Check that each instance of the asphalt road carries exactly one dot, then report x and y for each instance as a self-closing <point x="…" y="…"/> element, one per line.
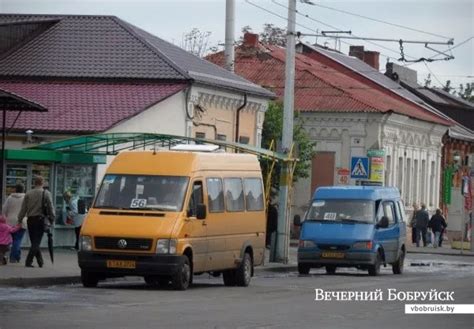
<point x="274" y="300"/>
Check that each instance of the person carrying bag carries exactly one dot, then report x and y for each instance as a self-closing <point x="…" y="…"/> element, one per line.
<point x="38" y="207"/>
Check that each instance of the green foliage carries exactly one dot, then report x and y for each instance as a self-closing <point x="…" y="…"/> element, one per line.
<point x="304" y="147"/>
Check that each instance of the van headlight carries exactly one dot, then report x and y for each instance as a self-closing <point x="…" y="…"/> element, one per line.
<point x="86" y="243"/>
<point x="306" y="244"/>
<point x="364" y="245"/>
<point x="166" y="246"/>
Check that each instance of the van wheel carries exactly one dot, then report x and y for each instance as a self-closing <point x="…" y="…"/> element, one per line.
<point x="229" y="278"/>
<point x="331" y="269"/>
<point x="374" y="269"/>
<point x="397" y="267"/>
<point x="243" y="274"/>
<point x="89" y="280"/>
<point x="303" y="268"/>
<point x="182" y="279"/>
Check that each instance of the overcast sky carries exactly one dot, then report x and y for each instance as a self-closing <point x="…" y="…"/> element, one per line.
<point x="170" y="19"/>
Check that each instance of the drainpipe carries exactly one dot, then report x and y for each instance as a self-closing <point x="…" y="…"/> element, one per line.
<point x="237" y="123"/>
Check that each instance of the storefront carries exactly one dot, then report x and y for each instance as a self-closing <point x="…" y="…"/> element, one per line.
<point x="74" y="172"/>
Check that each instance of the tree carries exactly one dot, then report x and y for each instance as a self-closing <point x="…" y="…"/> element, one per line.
<point x="273" y="35"/>
<point x="466" y="92"/>
<point x="428" y="81"/>
<point x="447" y="87"/>
<point x="272" y="131"/>
<point x="197" y="42"/>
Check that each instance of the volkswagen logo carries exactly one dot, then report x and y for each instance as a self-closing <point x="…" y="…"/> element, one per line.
<point x="122" y="243"/>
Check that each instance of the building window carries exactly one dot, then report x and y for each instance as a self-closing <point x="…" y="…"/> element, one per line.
<point x="432" y="188"/>
<point x="244" y="140"/>
<point x="423" y="182"/>
<point x="221" y="137"/>
<point x="416" y="179"/>
<point x="234" y="194"/>
<point x="215" y="195"/>
<point x="253" y="194"/>
<point x="400" y="176"/>
<point x="407" y="188"/>
<point x="200" y="135"/>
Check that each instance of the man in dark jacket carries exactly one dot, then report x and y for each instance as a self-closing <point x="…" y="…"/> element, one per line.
<point x="37" y="205"/>
<point x="437" y="224"/>
<point x="422" y="219"/>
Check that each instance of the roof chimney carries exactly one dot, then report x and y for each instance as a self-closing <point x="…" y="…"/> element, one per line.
<point x="372" y="58"/>
<point x="250" y="39"/>
<point x="357" y="51"/>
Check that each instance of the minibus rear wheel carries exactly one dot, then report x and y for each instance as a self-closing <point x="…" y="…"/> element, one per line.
<point x="243" y="274"/>
<point x="89" y="280"/>
<point x="183" y="278"/>
<point x="397" y="267"/>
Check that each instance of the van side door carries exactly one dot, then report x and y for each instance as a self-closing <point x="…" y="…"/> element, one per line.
<point x="388" y="237"/>
<point x="195" y="229"/>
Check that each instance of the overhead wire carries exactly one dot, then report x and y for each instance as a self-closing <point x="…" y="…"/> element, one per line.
<point x="345" y="42"/>
<point x="311" y="29"/>
<point x="381" y="21"/>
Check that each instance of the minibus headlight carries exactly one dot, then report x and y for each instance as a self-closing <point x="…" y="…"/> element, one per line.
<point x="306" y="244"/>
<point x="166" y="246"/>
<point x="86" y="243"/>
<point x="366" y="245"/>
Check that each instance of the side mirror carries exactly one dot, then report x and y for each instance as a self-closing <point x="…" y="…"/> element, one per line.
<point x="201" y="211"/>
<point x="383" y="222"/>
<point x="297" y="220"/>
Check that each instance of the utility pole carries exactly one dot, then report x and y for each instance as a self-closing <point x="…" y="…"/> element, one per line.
<point x="229" y="34"/>
<point x="283" y="227"/>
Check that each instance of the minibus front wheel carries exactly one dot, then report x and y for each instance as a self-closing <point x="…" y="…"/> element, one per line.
<point x="183" y="278"/>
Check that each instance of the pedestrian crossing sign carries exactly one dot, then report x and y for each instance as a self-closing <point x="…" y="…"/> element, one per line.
<point x="360" y="167"/>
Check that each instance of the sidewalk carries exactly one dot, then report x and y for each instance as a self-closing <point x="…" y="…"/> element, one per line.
<point x="65" y="269"/>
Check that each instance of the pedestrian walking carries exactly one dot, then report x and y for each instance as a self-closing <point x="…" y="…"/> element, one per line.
<point x="438" y="225"/>
<point x="10" y="210"/>
<point x="413" y="224"/>
<point x="6" y="231"/>
<point x="38" y="207"/>
<point x="422" y="219"/>
<point x="76" y="212"/>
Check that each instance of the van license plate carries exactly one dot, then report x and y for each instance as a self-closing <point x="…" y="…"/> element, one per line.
<point x="331" y="254"/>
<point x="121" y="264"/>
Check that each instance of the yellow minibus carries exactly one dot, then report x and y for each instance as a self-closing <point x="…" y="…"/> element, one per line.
<point x="169" y="215"/>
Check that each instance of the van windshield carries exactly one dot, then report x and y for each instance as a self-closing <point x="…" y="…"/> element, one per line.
<point x="358" y="211"/>
<point x="134" y="192"/>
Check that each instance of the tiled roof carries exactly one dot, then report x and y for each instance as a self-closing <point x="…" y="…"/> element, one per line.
<point x="103" y="47"/>
<point x="83" y="107"/>
<point x="318" y="87"/>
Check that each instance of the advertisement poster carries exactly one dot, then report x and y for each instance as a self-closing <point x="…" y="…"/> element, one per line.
<point x="377" y="173"/>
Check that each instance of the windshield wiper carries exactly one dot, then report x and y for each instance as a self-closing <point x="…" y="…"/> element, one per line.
<point x="349" y="220"/>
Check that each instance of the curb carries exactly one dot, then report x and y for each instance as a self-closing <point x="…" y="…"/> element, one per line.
<point x="39" y="282"/>
<point x="438" y="253"/>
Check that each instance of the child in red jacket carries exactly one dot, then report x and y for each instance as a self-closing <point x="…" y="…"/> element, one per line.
<point x="6" y="231"/>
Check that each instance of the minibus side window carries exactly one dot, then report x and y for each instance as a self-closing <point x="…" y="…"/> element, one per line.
<point x="401" y="209"/>
<point x="388" y="210"/>
<point x="196" y="198"/>
<point x="215" y="195"/>
<point x="234" y="194"/>
<point x="253" y="194"/>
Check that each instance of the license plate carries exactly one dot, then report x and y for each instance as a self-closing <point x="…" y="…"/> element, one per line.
<point x="121" y="264"/>
<point x="331" y="254"/>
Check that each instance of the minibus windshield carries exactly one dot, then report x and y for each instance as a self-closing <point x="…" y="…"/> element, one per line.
<point x="356" y="211"/>
<point x="140" y="192"/>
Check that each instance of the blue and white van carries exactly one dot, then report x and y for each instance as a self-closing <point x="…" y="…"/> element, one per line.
<point x="353" y="226"/>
